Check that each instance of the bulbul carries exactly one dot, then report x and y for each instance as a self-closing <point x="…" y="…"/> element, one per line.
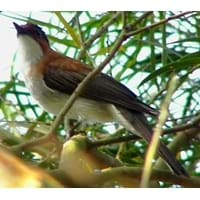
<point x="52" y="77"/>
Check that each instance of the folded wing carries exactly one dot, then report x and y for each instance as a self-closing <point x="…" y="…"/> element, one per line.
<point x="101" y="88"/>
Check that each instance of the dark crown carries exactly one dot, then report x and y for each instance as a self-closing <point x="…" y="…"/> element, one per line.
<point x="31" y="29"/>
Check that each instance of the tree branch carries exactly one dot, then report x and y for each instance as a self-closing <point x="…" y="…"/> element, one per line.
<point x="82" y="43"/>
<point x="181" y="140"/>
<point x="146" y="28"/>
<point x="112" y="140"/>
<point x="157" y="175"/>
<point x="131" y="174"/>
<point x="35" y="142"/>
<point x="194" y="123"/>
<point x="157" y="133"/>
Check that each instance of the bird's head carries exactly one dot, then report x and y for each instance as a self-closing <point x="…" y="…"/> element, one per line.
<point x="32" y="40"/>
<point x="32" y="31"/>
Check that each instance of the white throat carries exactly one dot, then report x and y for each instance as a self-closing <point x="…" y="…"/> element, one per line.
<point x="29" y="50"/>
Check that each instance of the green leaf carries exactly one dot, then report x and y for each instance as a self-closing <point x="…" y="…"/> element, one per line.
<point x="192" y="39"/>
<point x="68" y="43"/>
<point x="186" y="62"/>
<point x="69" y="29"/>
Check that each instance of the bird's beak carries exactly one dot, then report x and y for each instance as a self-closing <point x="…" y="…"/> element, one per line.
<point x="18" y="28"/>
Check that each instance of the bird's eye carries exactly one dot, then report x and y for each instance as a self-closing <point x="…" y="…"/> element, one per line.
<point x="39" y="34"/>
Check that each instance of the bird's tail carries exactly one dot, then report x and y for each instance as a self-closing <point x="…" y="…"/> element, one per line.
<point x="139" y="123"/>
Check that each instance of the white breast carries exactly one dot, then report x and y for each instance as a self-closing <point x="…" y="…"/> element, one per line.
<point x="53" y="102"/>
<point x="29" y="50"/>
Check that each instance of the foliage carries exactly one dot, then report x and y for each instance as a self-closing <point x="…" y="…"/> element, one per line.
<point x="145" y="62"/>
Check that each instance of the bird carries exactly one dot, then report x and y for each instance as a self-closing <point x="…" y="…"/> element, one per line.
<point x="52" y="77"/>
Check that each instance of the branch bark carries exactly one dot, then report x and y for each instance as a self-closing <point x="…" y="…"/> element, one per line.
<point x="157" y="133"/>
<point x="131" y="174"/>
<point x="157" y="175"/>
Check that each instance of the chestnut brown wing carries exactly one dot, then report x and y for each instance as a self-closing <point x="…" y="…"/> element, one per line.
<point x="101" y="88"/>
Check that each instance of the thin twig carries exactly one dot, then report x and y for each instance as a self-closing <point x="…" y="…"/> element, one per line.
<point x="120" y="138"/>
<point x="31" y="128"/>
<point x="157" y="133"/>
<point x="112" y="140"/>
<point x="82" y="43"/>
<point x="35" y="142"/>
<point x="98" y="34"/>
<point x="146" y="28"/>
<point x="181" y="140"/>
<point x="133" y="25"/>
<point x="194" y="123"/>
